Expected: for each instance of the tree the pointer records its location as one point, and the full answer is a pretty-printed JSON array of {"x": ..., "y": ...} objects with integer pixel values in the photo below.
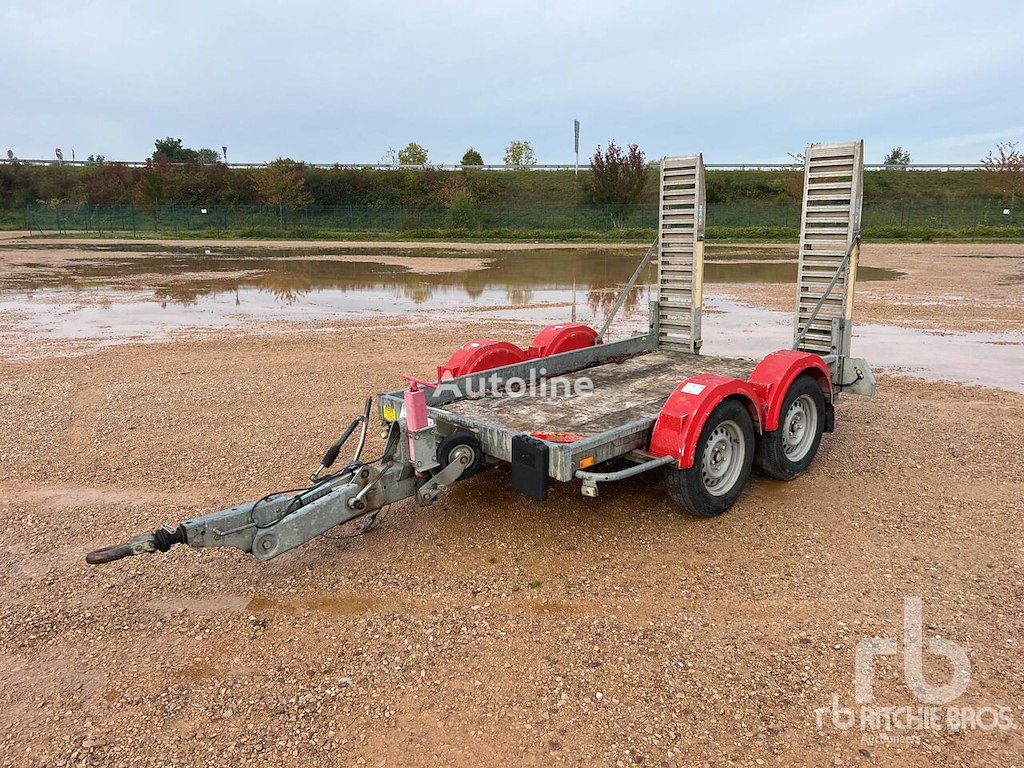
[
  {"x": 54, "y": 204},
  {"x": 461, "y": 213},
  {"x": 617, "y": 177},
  {"x": 112, "y": 184},
  {"x": 413, "y": 154},
  {"x": 152, "y": 189},
  {"x": 173, "y": 152},
  {"x": 519, "y": 154},
  {"x": 207, "y": 156},
  {"x": 897, "y": 159},
  {"x": 95, "y": 160},
  {"x": 1006, "y": 165},
  {"x": 281, "y": 184},
  {"x": 472, "y": 157}
]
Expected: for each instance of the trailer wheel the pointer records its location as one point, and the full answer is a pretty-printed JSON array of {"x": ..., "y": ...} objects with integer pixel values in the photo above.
[
  {"x": 455, "y": 440},
  {"x": 721, "y": 466},
  {"x": 789, "y": 450}
]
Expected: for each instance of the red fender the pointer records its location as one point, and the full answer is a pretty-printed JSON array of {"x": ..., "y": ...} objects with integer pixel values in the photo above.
[
  {"x": 687, "y": 409},
  {"x": 563, "y": 337},
  {"x": 773, "y": 376},
  {"x": 480, "y": 355}
]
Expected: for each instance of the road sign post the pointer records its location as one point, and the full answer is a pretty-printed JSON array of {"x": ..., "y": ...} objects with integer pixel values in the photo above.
[{"x": 576, "y": 130}]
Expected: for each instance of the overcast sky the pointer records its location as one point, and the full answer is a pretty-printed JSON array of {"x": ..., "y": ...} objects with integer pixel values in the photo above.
[{"x": 344, "y": 81}]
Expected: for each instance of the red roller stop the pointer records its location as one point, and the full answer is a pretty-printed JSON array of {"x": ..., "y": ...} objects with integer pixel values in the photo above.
[
  {"x": 563, "y": 337},
  {"x": 480, "y": 355}
]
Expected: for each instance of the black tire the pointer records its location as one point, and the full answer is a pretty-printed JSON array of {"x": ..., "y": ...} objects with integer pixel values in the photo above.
[
  {"x": 699, "y": 490},
  {"x": 453, "y": 441},
  {"x": 788, "y": 451}
]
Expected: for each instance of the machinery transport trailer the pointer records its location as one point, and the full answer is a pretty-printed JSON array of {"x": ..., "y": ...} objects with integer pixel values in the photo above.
[{"x": 571, "y": 402}]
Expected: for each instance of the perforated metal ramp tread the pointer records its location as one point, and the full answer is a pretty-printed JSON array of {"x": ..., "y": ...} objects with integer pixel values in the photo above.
[
  {"x": 829, "y": 225},
  {"x": 681, "y": 252}
]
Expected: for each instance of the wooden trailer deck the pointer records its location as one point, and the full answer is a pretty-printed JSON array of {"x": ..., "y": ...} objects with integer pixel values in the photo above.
[{"x": 623, "y": 392}]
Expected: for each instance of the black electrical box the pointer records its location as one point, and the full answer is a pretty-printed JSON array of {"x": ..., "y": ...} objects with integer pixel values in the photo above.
[{"x": 530, "y": 466}]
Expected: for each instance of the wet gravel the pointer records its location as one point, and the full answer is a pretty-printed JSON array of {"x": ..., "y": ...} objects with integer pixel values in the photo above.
[{"x": 486, "y": 629}]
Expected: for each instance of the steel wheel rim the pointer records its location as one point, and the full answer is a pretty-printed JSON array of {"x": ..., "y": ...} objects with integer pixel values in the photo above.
[
  {"x": 722, "y": 461},
  {"x": 799, "y": 428},
  {"x": 464, "y": 452}
]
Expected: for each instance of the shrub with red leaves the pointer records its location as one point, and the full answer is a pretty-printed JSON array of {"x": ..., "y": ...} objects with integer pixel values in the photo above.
[{"x": 617, "y": 176}]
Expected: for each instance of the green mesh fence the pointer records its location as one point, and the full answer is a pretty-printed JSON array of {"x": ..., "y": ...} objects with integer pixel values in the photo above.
[{"x": 980, "y": 217}]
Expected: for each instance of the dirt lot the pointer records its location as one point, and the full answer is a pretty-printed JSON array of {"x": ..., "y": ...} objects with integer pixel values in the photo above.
[{"x": 489, "y": 629}]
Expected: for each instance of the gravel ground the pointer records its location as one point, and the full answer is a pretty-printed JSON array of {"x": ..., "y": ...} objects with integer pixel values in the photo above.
[{"x": 486, "y": 629}]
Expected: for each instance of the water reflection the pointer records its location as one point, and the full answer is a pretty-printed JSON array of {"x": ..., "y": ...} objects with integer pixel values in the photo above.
[
  {"x": 601, "y": 301},
  {"x": 94, "y": 292},
  {"x": 184, "y": 278},
  {"x": 116, "y": 297}
]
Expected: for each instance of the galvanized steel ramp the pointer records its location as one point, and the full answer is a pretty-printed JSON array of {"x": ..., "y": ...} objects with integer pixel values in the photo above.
[
  {"x": 681, "y": 253},
  {"x": 829, "y": 246}
]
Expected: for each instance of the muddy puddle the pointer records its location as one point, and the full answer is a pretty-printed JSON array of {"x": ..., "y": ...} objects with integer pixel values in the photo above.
[
  {"x": 987, "y": 359},
  {"x": 106, "y": 295},
  {"x": 103, "y": 293}
]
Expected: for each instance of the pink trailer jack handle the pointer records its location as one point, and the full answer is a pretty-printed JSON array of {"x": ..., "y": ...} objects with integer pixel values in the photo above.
[{"x": 415, "y": 410}]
